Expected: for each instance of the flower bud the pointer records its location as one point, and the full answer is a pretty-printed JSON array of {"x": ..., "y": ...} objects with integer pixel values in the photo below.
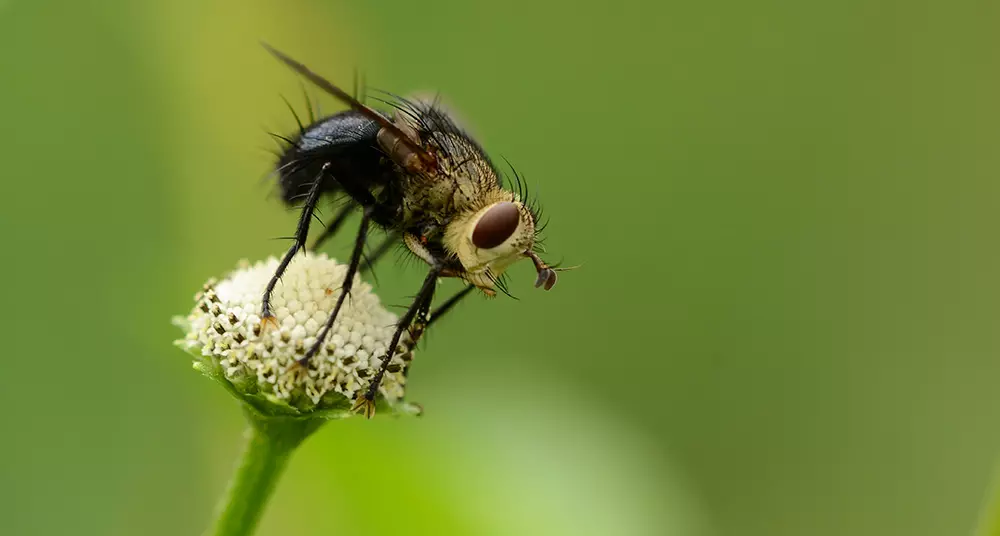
[{"x": 260, "y": 362}]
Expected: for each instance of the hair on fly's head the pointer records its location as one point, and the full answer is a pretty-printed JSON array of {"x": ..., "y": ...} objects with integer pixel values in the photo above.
[{"x": 519, "y": 185}]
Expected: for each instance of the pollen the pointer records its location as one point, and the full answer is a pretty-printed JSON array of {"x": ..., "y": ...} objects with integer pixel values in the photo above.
[{"x": 261, "y": 356}]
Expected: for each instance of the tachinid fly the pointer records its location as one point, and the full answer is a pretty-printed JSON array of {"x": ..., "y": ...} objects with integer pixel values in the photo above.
[{"x": 415, "y": 173}]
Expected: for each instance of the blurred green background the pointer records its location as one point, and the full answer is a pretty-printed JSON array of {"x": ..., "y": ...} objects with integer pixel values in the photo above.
[{"x": 785, "y": 323}]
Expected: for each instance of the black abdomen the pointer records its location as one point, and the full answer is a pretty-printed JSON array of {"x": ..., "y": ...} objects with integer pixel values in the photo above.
[{"x": 345, "y": 143}]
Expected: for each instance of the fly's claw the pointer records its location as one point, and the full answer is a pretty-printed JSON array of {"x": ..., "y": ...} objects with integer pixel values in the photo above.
[
  {"x": 364, "y": 406},
  {"x": 268, "y": 322}
]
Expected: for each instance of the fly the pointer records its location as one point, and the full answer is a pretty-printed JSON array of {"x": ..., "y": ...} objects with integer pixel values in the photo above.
[{"x": 416, "y": 174}]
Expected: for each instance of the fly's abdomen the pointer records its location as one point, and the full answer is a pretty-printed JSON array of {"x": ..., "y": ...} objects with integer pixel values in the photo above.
[{"x": 342, "y": 145}]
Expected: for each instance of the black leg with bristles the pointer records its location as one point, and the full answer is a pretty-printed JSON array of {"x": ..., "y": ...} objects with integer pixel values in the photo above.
[
  {"x": 299, "y": 243},
  {"x": 380, "y": 250},
  {"x": 366, "y": 402},
  {"x": 334, "y": 225},
  {"x": 451, "y": 302},
  {"x": 345, "y": 287},
  {"x": 422, "y": 322}
]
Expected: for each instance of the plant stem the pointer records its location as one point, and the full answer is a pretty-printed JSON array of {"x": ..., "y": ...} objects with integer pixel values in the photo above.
[
  {"x": 270, "y": 443},
  {"x": 989, "y": 514}
]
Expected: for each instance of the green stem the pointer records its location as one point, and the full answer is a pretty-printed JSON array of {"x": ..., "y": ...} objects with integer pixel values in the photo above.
[
  {"x": 270, "y": 442},
  {"x": 989, "y": 514}
]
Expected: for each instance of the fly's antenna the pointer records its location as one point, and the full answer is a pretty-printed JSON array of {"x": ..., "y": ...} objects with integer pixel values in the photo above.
[
  {"x": 546, "y": 273},
  {"x": 354, "y": 103}
]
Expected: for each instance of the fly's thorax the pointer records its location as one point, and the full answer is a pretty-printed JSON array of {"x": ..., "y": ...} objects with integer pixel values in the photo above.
[
  {"x": 464, "y": 161},
  {"x": 427, "y": 197},
  {"x": 461, "y": 180},
  {"x": 490, "y": 236}
]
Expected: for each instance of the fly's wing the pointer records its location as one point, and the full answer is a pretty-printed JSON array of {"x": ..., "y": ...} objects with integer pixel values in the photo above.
[{"x": 355, "y": 104}]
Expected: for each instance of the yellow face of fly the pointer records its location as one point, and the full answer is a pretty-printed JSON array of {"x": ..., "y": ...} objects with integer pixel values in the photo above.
[{"x": 488, "y": 240}]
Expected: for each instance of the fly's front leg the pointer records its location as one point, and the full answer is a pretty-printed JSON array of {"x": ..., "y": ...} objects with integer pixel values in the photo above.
[
  {"x": 423, "y": 320},
  {"x": 366, "y": 403},
  {"x": 420, "y": 320}
]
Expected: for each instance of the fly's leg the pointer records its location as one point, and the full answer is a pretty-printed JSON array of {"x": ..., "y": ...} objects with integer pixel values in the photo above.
[
  {"x": 345, "y": 287},
  {"x": 390, "y": 240},
  {"x": 299, "y": 243},
  {"x": 419, "y": 324},
  {"x": 333, "y": 226},
  {"x": 368, "y": 262},
  {"x": 365, "y": 403},
  {"x": 452, "y": 301},
  {"x": 423, "y": 322}
]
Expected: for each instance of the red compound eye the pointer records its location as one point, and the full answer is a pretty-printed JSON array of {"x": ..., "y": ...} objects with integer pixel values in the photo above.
[{"x": 496, "y": 225}]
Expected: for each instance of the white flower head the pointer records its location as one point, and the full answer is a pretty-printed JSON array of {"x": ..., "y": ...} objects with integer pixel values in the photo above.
[{"x": 261, "y": 361}]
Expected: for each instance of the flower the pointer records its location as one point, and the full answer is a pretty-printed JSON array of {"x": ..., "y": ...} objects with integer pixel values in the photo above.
[{"x": 259, "y": 362}]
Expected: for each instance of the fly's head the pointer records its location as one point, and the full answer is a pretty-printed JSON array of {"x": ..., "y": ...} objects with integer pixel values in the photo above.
[
  {"x": 489, "y": 239},
  {"x": 487, "y": 228}
]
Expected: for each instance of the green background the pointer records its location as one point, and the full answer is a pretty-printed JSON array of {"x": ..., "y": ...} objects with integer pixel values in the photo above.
[{"x": 785, "y": 323}]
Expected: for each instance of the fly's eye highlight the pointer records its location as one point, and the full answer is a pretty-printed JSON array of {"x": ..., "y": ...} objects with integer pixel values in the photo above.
[{"x": 496, "y": 225}]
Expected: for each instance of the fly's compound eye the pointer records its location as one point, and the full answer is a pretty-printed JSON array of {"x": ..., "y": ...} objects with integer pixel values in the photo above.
[{"x": 496, "y": 225}]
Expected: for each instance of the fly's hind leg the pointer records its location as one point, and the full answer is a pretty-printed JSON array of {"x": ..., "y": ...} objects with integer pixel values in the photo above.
[{"x": 299, "y": 243}]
